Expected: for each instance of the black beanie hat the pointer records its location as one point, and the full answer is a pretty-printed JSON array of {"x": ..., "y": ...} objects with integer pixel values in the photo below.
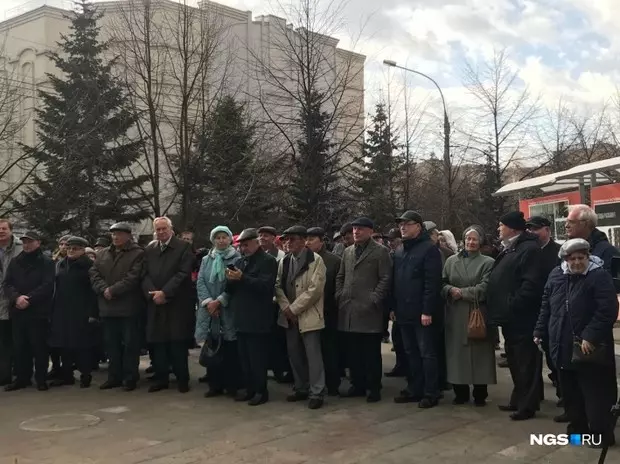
[{"x": 515, "y": 220}]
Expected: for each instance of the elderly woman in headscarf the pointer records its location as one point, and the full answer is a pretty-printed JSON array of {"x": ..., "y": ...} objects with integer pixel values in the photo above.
[
  {"x": 447, "y": 240},
  {"x": 470, "y": 362},
  {"x": 578, "y": 312},
  {"x": 214, "y": 315}
]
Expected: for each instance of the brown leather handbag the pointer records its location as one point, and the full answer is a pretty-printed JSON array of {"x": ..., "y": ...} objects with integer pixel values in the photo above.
[{"x": 476, "y": 327}]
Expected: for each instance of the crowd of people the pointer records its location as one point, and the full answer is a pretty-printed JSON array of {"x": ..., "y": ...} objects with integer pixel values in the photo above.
[{"x": 311, "y": 307}]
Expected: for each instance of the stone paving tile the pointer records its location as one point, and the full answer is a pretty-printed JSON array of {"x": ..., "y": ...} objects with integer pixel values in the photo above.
[{"x": 169, "y": 428}]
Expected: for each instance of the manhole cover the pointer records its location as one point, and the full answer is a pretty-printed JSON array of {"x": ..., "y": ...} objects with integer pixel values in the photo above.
[{"x": 59, "y": 422}]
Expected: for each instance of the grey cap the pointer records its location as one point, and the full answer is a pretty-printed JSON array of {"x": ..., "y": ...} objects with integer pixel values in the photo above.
[
  {"x": 121, "y": 227},
  {"x": 64, "y": 238},
  {"x": 77, "y": 241},
  {"x": 572, "y": 245},
  {"x": 316, "y": 232},
  {"x": 103, "y": 242},
  {"x": 247, "y": 234},
  {"x": 268, "y": 230},
  {"x": 363, "y": 222},
  {"x": 410, "y": 216},
  {"x": 295, "y": 230},
  {"x": 31, "y": 235},
  {"x": 429, "y": 225},
  {"x": 337, "y": 235}
]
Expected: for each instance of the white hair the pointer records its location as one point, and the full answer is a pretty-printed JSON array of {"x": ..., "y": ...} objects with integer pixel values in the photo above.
[
  {"x": 163, "y": 219},
  {"x": 585, "y": 213},
  {"x": 450, "y": 240}
]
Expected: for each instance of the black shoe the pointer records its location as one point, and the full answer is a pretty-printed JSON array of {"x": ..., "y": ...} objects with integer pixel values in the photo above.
[
  {"x": 428, "y": 403},
  {"x": 507, "y": 408},
  {"x": 5, "y": 382},
  {"x": 108, "y": 385},
  {"x": 284, "y": 378},
  {"x": 183, "y": 387},
  {"x": 62, "y": 382},
  {"x": 396, "y": 372},
  {"x": 315, "y": 403},
  {"x": 333, "y": 392},
  {"x": 15, "y": 386},
  {"x": 373, "y": 397},
  {"x": 42, "y": 387},
  {"x": 502, "y": 355},
  {"x": 406, "y": 397},
  {"x": 214, "y": 392},
  {"x": 385, "y": 340},
  {"x": 258, "y": 399},
  {"x": 353, "y": 392},
  {"x": 130, "y": 386},
  {"x": 244, "y": 396},
  {"x": 393, "y": 350},
  {"x": 150, "y": 370},
  {"x": 85, "y": 381},
  {"x": 54, "y": 374},
  {"x": 522, "y": 415},
  {"x": 560, "y": 403},
  {"x": 480, "y": 403},
  {"x": 297, "y": 396},
  {"x": 561, "y": 419},
  {"x": 158, "y": 387},
  {"x": 460, "y": 401},
  {"x": 502, "y": 363},
  {"x": 203, "y": 379}
]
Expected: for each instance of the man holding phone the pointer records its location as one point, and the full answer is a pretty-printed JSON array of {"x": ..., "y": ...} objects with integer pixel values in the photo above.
[{"x": 251, "y": 286}]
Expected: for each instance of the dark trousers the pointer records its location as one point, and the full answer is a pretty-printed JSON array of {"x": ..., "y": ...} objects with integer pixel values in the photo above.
[
  {"x": 386, "y": 325},
  {"x": 525, "y": 364},
  {"x": 30, "y": 342},
  {"x": 170, "y": 354},
  {"x": 122, "y": 342},
  {"x": 462, "y": 392},
  {"x": 331, "y": 358},
  {"x": 278, "y": 357},
  {"x": 55, "y": 354},
  {"x": 399, "y": 348},
  {"x": 227, "y": 374},
  {"x": 420, "y": 344},
  {"x": 553, "y": 375},
  {"x": 254, "y": 359},
  {"x": 6, "y": 351},
  {"x": 80, "y": 357},
  {"x": 589, "y": 393},
  {"x": 364, "y": 360}
]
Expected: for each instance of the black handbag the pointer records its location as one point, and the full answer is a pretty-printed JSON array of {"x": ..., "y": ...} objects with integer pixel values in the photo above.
[
  {"x": 598, "y": 356},
  {"x": 210, "y": 355}
]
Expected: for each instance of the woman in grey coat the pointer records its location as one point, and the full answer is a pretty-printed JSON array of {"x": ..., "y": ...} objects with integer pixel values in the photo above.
[{"x": 470, "y": 362}]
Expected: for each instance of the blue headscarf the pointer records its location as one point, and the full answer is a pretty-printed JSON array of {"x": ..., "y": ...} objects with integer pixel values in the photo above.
[{"x": 218, "y": 272}]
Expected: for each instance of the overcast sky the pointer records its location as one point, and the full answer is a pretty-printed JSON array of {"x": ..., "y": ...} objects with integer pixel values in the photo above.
[{"x": 567, "y": 48}]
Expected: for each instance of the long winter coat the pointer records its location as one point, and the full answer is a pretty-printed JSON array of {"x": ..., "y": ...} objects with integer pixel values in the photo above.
[
  {"x": 362, "y": 287},
  {"x": 209, "y": 291},
  {"x": 252, "y": 297},
  {"x": 31, "y": 274},
  {"x": 516, "y": 285},
  {"x": 469, "y": 362},
  {"x": 171, "y": 272},
  {"x": 74, "y": 302},
  {"x": 585, "y": 305},
  {"x": 120, "y": 271},
  {"x": 309, "y": 287},
  {"x": 330, "y": 309},
  {"x": 417, "y": 280},
  {"x": 13, "y": 250}
]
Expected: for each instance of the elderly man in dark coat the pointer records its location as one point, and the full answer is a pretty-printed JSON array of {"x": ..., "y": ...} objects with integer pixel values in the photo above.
[
  {"x": 168, "y": 288},
  {"x": 251, "y": 286},
  {"x": 74, "y": 314},
  {"x": 29, "y": 285},
  {"x": 362, "y": 286},
  {"x": 329, "y": 336},
  {"x": 115, "y": 276}
]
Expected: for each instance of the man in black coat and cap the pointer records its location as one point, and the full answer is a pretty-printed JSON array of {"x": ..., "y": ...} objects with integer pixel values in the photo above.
[
  {"x": 513, "y": 302},
  {"x": 329, "y": 336},
  {"x": 251, "y": 286}
]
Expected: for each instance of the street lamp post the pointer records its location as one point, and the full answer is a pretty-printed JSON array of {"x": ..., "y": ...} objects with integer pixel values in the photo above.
[{"x": 446, "y": 128}]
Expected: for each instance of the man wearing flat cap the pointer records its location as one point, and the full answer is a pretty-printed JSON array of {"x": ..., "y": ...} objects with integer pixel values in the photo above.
[
  {"x": 541, "y": 227},
  {"x": 416, "y": 295},
  {"x": 514, "y": 295},
  {"x": 116, "y": 276},
  {"x": 362, "y": 288},
  {"x": 332, "y": 354},
  {"x": 29, "y": 284},
  {"x": 346, "y": 235},
  {"x": 251, "y": 286},
  {"x": 299, "y": 293},
  {"x": 267, "y": 239}
]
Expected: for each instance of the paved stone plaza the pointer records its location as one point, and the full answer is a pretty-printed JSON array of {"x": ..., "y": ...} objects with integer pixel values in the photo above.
[{"x": 74, "y": 426}]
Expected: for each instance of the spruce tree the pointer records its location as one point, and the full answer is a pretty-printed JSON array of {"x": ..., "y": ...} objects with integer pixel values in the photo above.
[
  {"x": 84, "y": 150},
  {"x": 222, "y": 181},
  {"x": 317, "y": 193},
  {"x": 381, "y": 167}
]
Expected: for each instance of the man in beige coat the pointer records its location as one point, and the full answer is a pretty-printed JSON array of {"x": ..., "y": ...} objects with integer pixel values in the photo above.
[{"x": 299, "y": 292}]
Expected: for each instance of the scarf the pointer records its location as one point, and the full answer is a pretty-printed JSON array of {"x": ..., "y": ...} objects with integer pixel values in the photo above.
[{"x": 217, "y": 268}]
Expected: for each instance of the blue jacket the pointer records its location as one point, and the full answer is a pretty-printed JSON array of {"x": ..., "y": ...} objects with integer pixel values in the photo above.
[
  {"x": 209, "y": 291},
  {"x": 593, "y": 306},
  {"x": 417, "y": 279}
]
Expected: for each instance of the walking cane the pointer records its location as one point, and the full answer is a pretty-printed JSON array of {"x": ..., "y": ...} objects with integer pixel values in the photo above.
[{"x": 615, "y": 412}]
